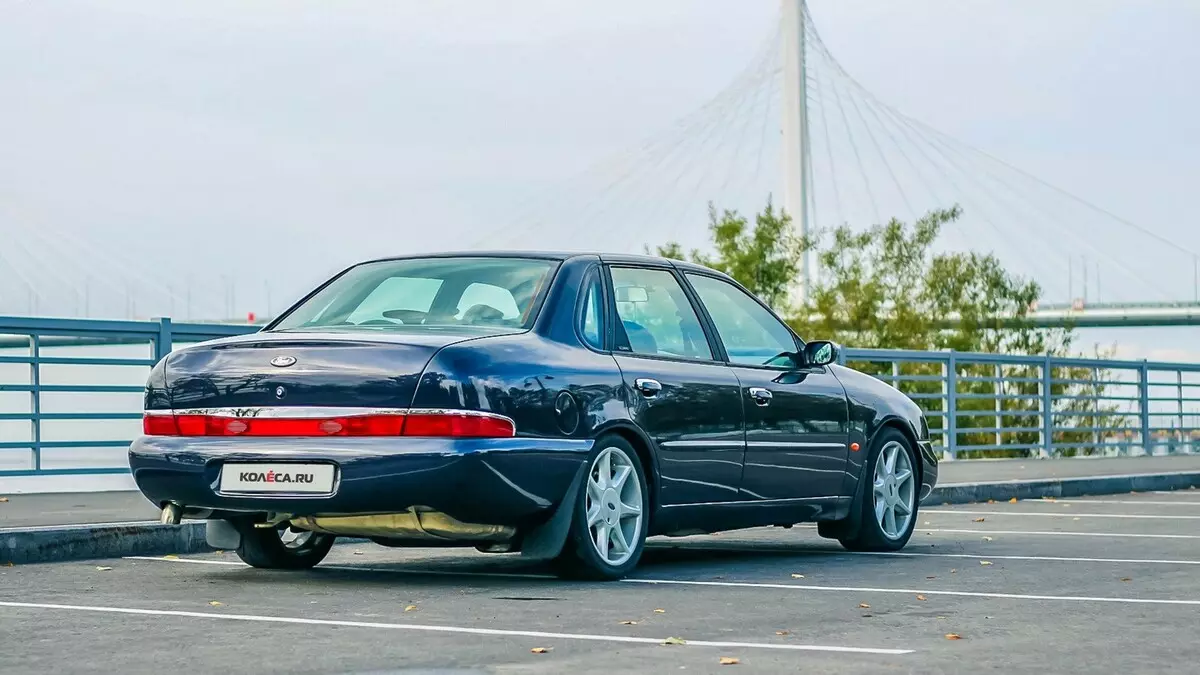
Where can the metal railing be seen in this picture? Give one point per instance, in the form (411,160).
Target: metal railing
(71,396)
(994,405)
(71,389)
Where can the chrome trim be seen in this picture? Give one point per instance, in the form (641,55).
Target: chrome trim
(762,501)
(701,444)
(770,444)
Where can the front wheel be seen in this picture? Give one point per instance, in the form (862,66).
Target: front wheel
(608,524)
(282,547)
(889,500)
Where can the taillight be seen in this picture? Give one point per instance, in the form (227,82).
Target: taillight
(448,423)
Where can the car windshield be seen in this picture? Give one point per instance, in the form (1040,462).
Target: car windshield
(428,292)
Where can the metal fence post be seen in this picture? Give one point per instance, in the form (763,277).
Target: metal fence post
(35,400)
(1179,398)
(1047,407)
(998,392)
(1144,406)
(951,406)
(162,343)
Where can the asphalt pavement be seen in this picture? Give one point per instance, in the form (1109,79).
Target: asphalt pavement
(1106,584)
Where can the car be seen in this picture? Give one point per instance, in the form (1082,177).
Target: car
(564,406)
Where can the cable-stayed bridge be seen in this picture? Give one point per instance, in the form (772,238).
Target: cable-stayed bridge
(863,161)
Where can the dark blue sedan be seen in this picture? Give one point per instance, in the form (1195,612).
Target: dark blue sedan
(565,406)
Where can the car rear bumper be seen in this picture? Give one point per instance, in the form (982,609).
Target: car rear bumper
(505,481)
(929,468)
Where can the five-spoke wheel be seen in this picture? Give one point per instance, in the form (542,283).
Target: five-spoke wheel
(885,510)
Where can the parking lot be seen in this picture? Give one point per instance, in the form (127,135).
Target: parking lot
(1107,584)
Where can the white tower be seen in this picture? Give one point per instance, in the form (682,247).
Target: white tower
(796,178)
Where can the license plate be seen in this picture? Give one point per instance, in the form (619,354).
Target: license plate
(274,477)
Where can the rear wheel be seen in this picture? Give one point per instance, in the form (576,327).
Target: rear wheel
(282,547)
(608,524)
(888,502)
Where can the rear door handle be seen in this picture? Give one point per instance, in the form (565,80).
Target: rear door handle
(647,386)
(761,395)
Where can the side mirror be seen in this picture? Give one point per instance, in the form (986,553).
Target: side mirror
(821,353)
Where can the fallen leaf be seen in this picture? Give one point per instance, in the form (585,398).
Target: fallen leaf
(10,563)
(867,616)
(3,499)
(921,598)
(930,577)
(629,623)
(729,661)
(360,553)
(953,636)
(540,650)
(171,556)
(926,522)
(674,641)
(953,571)
(1050,499)
(797,576)
(1013,500)
(103,569)
(783,632)
(1074,519)
(1126,579)
(410,608)
(991,501)
(978,520)
(985,562)
(215,603)
(987,538)
(219,552)
(660,611)
(941,617)
(864,605)
(1066,506)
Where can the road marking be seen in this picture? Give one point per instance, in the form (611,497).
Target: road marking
(914,554)
(451,629)
(1060,514)
(1069,534)
(1135,502)
(914,591)
(356,568)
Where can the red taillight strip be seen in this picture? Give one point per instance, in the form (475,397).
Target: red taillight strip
(327,421)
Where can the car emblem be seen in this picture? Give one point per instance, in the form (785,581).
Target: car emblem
(280,392)
(283,361)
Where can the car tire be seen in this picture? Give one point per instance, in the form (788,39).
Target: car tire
(282,547)
(608,522)
(893,486)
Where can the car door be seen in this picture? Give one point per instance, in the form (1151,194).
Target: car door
(796,415)
(687,400)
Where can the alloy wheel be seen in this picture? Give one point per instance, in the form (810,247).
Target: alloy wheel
(614,505)
(895,490)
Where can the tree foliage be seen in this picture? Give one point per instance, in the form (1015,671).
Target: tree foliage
(889,287)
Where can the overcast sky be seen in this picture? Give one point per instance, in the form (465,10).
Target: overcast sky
(263,145)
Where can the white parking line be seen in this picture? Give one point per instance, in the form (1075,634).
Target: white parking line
(1135,502)
(969,556)
(1060,514)
(1067,534)
(743,584)
(451,629)
(915,591)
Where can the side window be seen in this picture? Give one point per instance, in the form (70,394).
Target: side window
(655,315)
(751,334)
(591,311)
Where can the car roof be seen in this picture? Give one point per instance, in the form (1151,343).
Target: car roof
(561,256)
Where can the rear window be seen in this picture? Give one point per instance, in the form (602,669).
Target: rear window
(435,292)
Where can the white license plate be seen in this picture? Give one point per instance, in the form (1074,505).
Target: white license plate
(275,477)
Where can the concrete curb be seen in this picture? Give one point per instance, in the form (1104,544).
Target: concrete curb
(83,542)
(966,493)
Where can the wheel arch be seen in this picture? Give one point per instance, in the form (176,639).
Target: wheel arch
(899,424)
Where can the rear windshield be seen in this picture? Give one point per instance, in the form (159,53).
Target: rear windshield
(434,292)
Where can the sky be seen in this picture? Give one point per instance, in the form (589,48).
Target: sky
(213,157)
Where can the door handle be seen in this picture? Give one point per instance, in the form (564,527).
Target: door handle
(761,395)
(647,386)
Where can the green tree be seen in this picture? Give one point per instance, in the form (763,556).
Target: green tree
(764,258)
(888,287)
